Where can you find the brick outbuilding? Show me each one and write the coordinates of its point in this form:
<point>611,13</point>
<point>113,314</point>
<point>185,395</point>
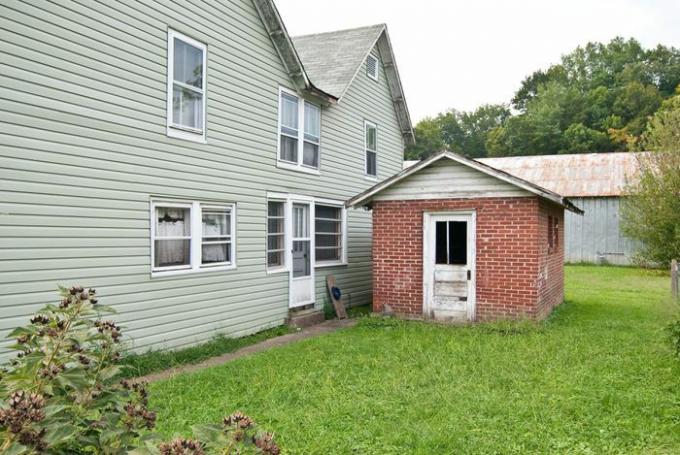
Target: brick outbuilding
<point>457,240</point>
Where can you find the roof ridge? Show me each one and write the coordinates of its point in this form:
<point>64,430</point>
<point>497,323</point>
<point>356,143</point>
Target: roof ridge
<point>383,25</point>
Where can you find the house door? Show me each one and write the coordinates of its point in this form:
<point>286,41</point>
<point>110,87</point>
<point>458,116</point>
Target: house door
<point>302,252</point>
<point>449,266</point>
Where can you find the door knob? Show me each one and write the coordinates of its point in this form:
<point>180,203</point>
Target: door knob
<point>469,275</point>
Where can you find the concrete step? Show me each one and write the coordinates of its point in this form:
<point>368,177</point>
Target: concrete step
<point>305,318</point>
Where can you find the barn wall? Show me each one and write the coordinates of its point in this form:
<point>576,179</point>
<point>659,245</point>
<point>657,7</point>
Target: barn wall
<point>596,236</point>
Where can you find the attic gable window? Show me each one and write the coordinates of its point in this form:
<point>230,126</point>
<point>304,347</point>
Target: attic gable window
<point>372,67</point>
<point>186,87</point>
<point>299,133</point>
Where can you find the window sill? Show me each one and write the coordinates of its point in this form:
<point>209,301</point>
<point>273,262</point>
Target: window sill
<point>297,168</point>
<point>373,178</point>
<point>186,135</point>
<point>320,265</point>
<point>275,270</point>
<point>164,273</point>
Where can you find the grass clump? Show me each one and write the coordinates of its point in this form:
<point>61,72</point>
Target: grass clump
<point>154,361</point>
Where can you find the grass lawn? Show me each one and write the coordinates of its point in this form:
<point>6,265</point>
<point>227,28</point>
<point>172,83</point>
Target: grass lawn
<point>597,377</point>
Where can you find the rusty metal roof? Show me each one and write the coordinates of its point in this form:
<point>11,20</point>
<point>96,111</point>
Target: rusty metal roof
<point>579,175</point>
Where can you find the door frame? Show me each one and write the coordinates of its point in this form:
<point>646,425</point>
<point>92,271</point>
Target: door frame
<point>309,202</point>
<point>428,259</point>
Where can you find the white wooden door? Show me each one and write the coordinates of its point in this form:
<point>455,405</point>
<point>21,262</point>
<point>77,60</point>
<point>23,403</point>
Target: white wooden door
<point>449,266</point>
<point>302,253</point>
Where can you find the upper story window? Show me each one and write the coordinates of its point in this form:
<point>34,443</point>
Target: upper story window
<point>186,87</point>
<point>299,132</point>
<point>371,148</point>
<point>372,67</point>
<point>192,236</point>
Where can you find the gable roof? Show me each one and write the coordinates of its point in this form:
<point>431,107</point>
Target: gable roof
<point>333,59</point>
<point>577,175</point>
<point>325,64</point>
<point>366,197</point>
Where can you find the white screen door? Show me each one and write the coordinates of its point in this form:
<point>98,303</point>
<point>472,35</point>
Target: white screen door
<point>302,252</point>
<point>449,266</point>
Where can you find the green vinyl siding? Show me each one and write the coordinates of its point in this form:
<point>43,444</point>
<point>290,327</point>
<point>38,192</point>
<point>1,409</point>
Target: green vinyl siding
<point>83,150</point>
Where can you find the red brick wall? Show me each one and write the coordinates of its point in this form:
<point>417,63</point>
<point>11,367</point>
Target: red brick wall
<point>508,255</point>
<point>551,272</point>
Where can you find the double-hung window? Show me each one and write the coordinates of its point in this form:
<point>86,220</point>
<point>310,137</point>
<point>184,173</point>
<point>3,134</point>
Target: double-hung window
<point>329,233</point>
<point>371,148</point>
<point>191,236</point>
<point>299,132</point>
<point>186,87</point>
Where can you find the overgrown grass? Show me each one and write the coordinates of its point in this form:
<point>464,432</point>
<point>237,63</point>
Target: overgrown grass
<point>597,377</point>
<point>154,361</point>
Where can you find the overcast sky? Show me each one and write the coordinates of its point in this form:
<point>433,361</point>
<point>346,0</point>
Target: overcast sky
<point>463,53</point>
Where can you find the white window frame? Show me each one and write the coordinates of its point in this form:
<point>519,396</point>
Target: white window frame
<point>343,233</point>
<point>288,199</point>
<point>298,166</point>
<point>286,250</point>
<point>366,150</point>
<point>177,131</point>
<point>377,67</point>
<point>196,242</point>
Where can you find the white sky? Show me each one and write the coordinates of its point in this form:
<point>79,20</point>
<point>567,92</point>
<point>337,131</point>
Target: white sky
<point>463,53</point>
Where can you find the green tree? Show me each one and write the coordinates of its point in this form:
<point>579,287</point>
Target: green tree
<point>457,131</point>
<point>651,212</point>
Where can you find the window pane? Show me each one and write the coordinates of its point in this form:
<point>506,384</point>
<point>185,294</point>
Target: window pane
<point>458,242</point>
<point>216,253</point>
<point>187,108</point>
<point>327,240</point>
<point>275,225</point>
<point>300,220</point>
<point>371,165</point>
<point>301,259</point>
<point>275,259</point>
<point>289,149</point>
<point>173,222</point>
<point>312,121</point>
<point>172,253</point>
<point>275,208</point>
<point>310,154</point>
<point>328,255</point>
<point>325,211</point>
<point>216,223</point>
<point>275,242</point>
<point>371,137</point>
<point>289,111</point>
<point>188,64</point>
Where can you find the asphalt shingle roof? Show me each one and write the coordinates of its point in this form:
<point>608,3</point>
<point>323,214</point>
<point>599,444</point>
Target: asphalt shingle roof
<point>331,59</point>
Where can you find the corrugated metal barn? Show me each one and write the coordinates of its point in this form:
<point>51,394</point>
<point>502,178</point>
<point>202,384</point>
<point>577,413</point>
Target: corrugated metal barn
<point>594,182</point>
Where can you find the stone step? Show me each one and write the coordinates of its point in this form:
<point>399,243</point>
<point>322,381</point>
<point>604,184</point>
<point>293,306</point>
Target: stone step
<point>305,318</point>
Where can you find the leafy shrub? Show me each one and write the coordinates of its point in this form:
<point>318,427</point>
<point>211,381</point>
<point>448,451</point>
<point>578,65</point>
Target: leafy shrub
<point>60,394</point>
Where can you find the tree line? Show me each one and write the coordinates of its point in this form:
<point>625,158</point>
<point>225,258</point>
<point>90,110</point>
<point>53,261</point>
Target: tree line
<point>599,98</point>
